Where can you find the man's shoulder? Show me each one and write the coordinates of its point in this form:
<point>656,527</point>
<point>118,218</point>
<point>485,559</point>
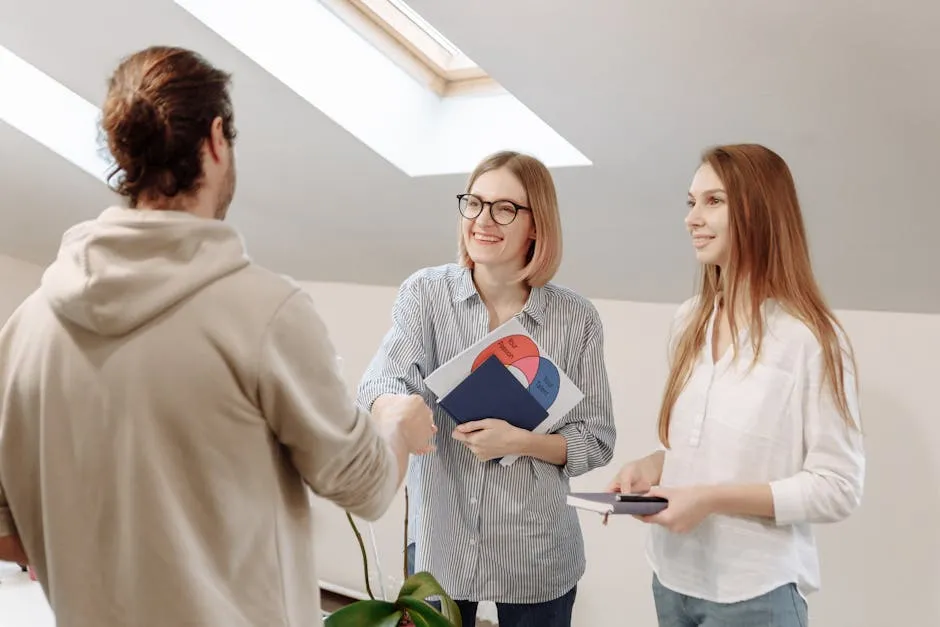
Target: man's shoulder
<point>32,307</point>
<point>256,288</point>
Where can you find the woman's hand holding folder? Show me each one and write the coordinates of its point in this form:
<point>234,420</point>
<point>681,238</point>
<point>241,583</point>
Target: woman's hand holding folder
<point>492,438</point>
<point>489,438</point>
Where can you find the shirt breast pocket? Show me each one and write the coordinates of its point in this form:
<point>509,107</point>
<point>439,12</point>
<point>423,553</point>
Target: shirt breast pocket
<point>753,402</point>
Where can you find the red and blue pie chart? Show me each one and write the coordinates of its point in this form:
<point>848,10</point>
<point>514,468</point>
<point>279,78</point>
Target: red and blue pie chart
<point>520,354</point>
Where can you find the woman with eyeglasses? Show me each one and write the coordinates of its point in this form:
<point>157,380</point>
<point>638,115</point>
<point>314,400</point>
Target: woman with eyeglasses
<point>489,532</point>
<point>759,420</point>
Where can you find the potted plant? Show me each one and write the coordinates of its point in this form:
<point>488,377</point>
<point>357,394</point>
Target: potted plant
<point>411,606</point>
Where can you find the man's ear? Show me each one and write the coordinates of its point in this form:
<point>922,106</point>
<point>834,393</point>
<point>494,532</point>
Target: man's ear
<point>217,139</point>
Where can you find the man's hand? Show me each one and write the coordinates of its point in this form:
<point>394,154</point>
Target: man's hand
<point>409,418</point>
<point>490,438</point>
<point>11,550</point>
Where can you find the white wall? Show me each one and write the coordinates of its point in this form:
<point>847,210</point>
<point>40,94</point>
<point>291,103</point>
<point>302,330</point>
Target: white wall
<point>881,567</point>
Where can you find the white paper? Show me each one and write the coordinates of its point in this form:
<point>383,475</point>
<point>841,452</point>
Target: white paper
<point>526,360</point>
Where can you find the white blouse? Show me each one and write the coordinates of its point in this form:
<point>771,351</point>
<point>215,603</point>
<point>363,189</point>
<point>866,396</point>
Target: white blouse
<point>776,424</point>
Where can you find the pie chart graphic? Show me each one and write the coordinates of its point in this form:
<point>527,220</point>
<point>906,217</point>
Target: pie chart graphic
<point>520,354</point>
<point>544,387</point>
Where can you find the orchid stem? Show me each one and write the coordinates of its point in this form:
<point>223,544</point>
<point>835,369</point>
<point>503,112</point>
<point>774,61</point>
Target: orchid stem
<point>362,550</point>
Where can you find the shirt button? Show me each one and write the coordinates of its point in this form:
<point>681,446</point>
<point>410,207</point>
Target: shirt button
<point>473,500</point>
<point>472,542</point>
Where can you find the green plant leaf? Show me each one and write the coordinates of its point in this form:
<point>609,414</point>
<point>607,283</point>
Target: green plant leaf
<point>422,585</point>
<point>417,621</point>
<point>424,615</point>
<point>451,611</point>
<point>361,613</point>
<point>390,621</point>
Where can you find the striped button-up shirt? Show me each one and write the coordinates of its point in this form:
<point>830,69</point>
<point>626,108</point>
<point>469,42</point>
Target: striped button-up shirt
<point>485,531</point>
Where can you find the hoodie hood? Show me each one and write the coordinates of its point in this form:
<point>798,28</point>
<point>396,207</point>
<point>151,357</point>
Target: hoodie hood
<point>128,266</point>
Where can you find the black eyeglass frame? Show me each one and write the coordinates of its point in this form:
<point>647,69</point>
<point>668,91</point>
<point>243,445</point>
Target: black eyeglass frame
<point>483,203</point>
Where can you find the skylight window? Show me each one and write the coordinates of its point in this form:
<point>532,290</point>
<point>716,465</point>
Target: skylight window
<point>42,108</point>
<point>421,23</point>
<point>399,32</point>
<point>343,64</point>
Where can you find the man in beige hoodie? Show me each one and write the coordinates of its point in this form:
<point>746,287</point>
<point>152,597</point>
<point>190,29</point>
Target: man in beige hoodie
<point>165,403</point>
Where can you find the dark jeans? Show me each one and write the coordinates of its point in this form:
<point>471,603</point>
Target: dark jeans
<point>555,613</point>
<point>411,559</point>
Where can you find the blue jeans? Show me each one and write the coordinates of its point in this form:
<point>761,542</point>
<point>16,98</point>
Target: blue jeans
<point>555,613</point>
<point>781,607</point>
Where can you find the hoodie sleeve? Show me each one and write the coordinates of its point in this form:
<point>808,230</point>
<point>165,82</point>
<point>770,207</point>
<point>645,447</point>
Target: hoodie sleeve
<point>7,528</point>
<point>333,445</point>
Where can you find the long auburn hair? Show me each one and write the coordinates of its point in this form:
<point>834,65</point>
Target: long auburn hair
<point>769,260</point>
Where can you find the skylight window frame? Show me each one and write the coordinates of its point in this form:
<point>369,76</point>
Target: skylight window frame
<point>414,45</point>
<point>406,10</point>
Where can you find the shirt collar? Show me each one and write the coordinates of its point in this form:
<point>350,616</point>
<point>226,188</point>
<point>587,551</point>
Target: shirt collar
<point>465,289</point>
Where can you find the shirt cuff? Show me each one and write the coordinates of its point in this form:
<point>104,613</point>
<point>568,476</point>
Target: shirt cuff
<point>370,392</point>
<point>576,462</point>
<point>789,506</point>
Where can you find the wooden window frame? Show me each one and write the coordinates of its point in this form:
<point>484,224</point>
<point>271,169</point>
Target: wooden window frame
<point>446,71</point>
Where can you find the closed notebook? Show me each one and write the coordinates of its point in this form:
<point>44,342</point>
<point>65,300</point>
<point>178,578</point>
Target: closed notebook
<point>492,391</point>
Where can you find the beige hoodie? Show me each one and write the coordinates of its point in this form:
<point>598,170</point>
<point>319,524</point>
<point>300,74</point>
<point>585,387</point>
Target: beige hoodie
<point>163,402</point>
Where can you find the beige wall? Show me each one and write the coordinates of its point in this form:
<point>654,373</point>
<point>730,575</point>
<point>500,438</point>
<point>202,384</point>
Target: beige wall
<point>880,568</point>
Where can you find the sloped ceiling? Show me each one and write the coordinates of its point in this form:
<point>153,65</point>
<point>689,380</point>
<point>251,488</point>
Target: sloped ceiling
<point>846,91</point>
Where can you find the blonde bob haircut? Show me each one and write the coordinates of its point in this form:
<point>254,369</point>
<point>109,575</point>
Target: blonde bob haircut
<point>544,256</point>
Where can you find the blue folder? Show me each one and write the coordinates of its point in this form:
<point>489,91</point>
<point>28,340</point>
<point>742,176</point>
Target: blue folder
<point>492,391</point>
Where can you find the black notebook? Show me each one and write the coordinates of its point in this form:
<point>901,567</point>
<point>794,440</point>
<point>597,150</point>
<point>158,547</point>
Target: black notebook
<point>612,503</point>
